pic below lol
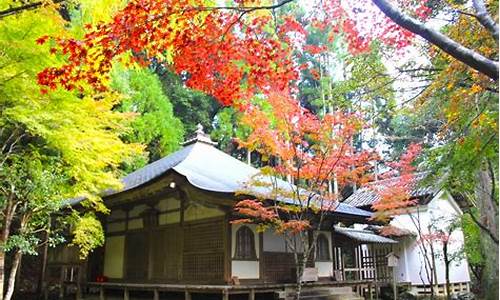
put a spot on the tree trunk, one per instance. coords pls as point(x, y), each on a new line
point(5, 232)
point(2, 268)
point(484, 17)
point(488, 211)
point(28, 6)
point(300, 272)
point(447, 270)
point(433, 281)
point(12, 275)
point(41, 279)
point(486, 202)
point(249, 157)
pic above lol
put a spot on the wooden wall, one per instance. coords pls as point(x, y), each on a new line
point(166, 243)
point(278, 267)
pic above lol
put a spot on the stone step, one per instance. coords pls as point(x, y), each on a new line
point(332, 297)
point(327, 293)
point(329, 290)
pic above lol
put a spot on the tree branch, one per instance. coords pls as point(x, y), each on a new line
point(485, 18)
point(28, 6)
point(483, 227)
point(245, 9)
point(469, 57)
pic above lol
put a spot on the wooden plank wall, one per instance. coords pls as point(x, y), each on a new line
point(166, 253)
point(136, 255)
point(192, 253)
point(278, 267)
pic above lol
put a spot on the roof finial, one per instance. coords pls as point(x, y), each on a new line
point(199, 136)
point(199, 129)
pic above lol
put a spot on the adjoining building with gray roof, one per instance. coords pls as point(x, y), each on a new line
point(412, 227)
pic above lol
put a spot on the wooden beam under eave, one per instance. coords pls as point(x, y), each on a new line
point(209, 199)
point(142, 196)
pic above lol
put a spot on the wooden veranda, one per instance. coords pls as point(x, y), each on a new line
point(98, 290)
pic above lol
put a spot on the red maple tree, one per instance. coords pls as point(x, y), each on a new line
point(232, 52)
point(309, 160)
point(395, 189)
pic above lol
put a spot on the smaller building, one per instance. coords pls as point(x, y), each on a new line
point(435, 211)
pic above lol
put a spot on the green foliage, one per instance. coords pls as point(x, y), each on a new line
point(88, 233)
point(345, 81)
point(472, 242)
point(53, 145)
point(82, 12)
point(154, 124)
point(190, 106)
point(34, 180)
point(226, 128)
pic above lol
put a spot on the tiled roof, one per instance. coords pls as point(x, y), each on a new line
point(210, 169)
point(345, 208)
point(366, 196)
point(364, 236)
point(203, 166)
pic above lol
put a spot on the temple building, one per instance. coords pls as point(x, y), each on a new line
point(169, 231)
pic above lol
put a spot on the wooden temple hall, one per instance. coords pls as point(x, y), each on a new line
point(169, 236)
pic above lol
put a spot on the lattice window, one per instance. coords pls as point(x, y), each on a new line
point(322, 248)
point(245, 244)
point(203, 267)
point(203, 256)
point(349, 256)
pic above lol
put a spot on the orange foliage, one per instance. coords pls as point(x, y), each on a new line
point(309, 151)
point(395, 192)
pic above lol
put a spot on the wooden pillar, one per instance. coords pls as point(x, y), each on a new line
point(183, 205)
point(126, 295)
point(187, 295)
point(156, 294)
point(225, 295)
point(42, 286)
point(261, 255)
point(227, 229)
point(61, 282)
point(78, 292)
point(102, 295)
point(251, 295)
point(79, 283)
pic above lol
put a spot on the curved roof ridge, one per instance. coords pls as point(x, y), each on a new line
point(420, 175)
point(154, 169)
